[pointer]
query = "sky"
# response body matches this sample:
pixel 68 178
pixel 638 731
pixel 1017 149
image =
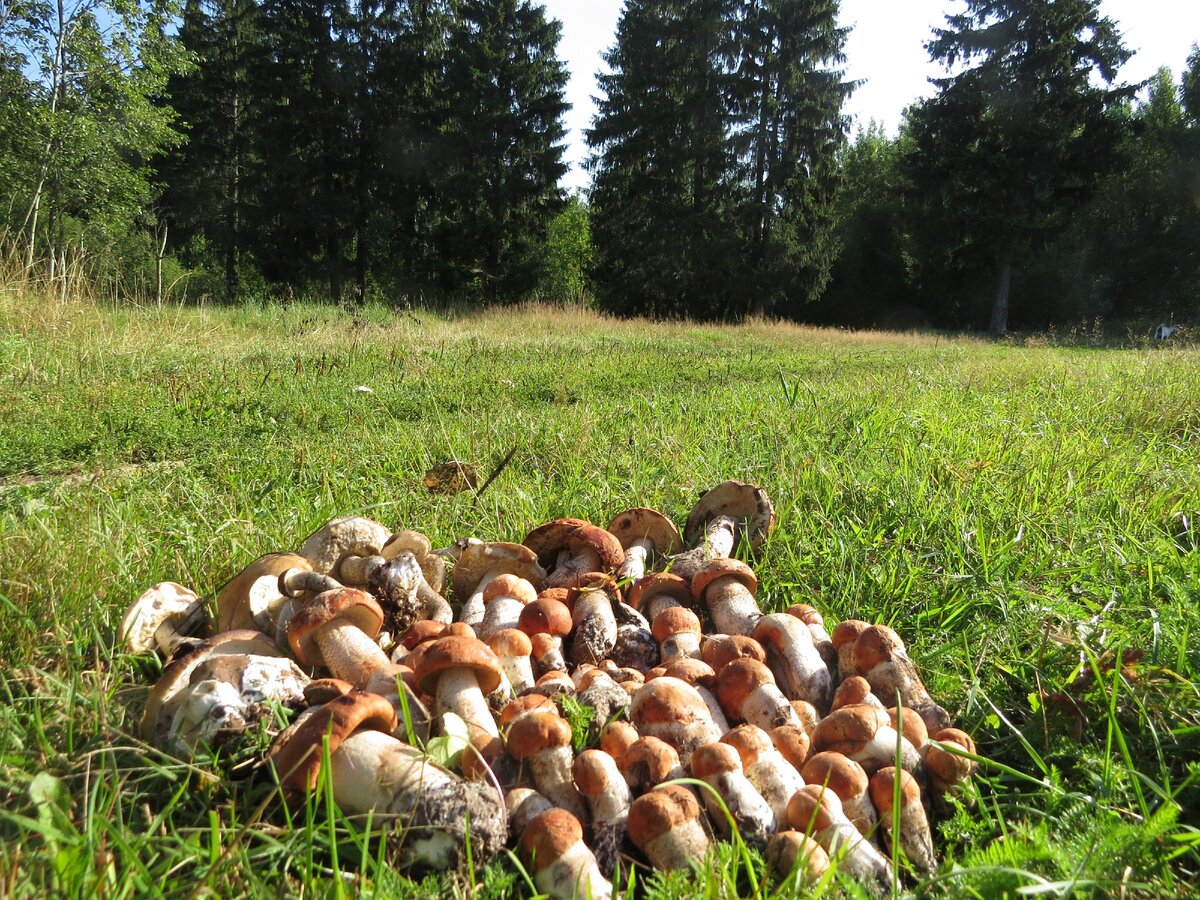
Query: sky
pixel 885 49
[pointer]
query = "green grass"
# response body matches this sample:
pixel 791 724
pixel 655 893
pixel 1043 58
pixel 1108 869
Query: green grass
pixel 1007 508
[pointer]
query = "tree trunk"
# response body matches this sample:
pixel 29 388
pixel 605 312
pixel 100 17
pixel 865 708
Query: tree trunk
pixel 999 323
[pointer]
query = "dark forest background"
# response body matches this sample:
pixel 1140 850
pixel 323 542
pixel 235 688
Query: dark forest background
pixel 410 153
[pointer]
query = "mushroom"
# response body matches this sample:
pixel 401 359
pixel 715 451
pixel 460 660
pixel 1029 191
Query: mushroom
pixel 252 598
pixel 817 811
pixel 849 781
pixel 718 650
pixel 949 771
pixel 747 692
pixel 677 631
pixel 373 774
pixel 513 647
pixel 865 734
pixel 647 763
pixel 345 536
pixel 162 618
pixel 460 671
pixel 671 709
pixel 821 638
pixel 169 692
pixel 657 591
pixel 635 646
pixel 793 851
pixel 479 563
pixel 915 838
pixel 543 739
pixel 726 587
pixel 643 532
pixel 616 737
pixel 730 510
pixel 699 675
pixel 853 691
pixel 665 824
pixel 608 798
pixel 793 743
pixel 799 670
pixel 598 690
pixel 768 771
pixel 400 585
pixel 880 657
pixel 577 551
pixel 504 598
pixel 719 766
pixel 844 636
pixel 595 625
pixel 433 571
pixel 228 693
pixel 563 866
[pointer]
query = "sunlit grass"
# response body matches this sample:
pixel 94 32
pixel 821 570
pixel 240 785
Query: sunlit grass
pixel 1008 509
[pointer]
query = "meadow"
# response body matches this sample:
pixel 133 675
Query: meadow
pixel 1023 513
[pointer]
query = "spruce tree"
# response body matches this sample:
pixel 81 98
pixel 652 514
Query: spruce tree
pixel 1010 145
pixel 502 147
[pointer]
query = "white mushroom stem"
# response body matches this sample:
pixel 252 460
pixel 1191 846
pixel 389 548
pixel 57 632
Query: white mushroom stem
pixel 718 766
pixel 458 692
pixel 373 771
pixel 524 804
pixel 500 613
pixel 636 556
pixel 767 708
pixel 776 779
pixel 551 770
pixel 595 627
pixel 799 669
pixel 473 610
pixel 572 564
pixel 608 797
pixel 719 538
pixel 733 608
pixel 680 645
pixel 349 654
pixel 518 671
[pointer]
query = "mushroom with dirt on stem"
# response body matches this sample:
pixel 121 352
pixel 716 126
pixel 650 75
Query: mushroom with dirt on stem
pixel 673 710
pixel 799 670
pixel 543 740
pixel 768 771
pixel 608 797
pixel 720 767
pixel 373 774
pixel 817 811
pixel 880 657
pixel 916 840
pixel 666 825
pixel 479 563
pixel 564 868
pixel 729 511
pixel 726 587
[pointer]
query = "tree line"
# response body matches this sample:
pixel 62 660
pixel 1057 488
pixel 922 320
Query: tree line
pixel 411 150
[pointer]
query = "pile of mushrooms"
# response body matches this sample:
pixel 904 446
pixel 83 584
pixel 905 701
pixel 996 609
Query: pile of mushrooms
pixel 819 747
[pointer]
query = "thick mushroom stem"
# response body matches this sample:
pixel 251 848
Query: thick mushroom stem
pixel 865 735
pixel 671 709
pixel 349 654
pixel 726 587
pixel 504 599
pixel 513 647
pixel 720 535
pixel 458 692
pixel 473 608
pixel 880 656
pixel 636 556
pixel 608 797
pixel 747 692
pixel 719 766
pixel 799 670
pixel 543 739
pixel 915 838
pixel 766 768
pixel 595 627
pixel 848 780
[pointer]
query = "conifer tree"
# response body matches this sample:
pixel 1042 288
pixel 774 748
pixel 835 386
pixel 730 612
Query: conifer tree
pixel 1017 139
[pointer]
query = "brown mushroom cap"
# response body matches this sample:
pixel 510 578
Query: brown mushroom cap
pixel 616 737
pixel 358 607
pixel 847 729
pixel 233 609
pixel 739 680
pixel 641 523
pixel 876 644
pixel 536 731
pixel 715 758
pixel 838 773
pixel 655 813
pixel 946 766
pixel 511 586
pixel 545 615
pixel 793 743
pixel 675 620
pixel 693 671
pixel 719 650
pixel 750 742
pixel 659 583
pixel 910 724
pixel 420 632
pixel 851 692
pixel 788 850
pixel 604 545
pixel 649 761
pixel 592 770
pixel 297 753
pixel 510 642
pixel 478 560
pixel 455 652
pixel 883 785
pixel 548 837
pixel 747 503
pixel 547 539
pixel 814 808
pixel 518 706
pixel 721 568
